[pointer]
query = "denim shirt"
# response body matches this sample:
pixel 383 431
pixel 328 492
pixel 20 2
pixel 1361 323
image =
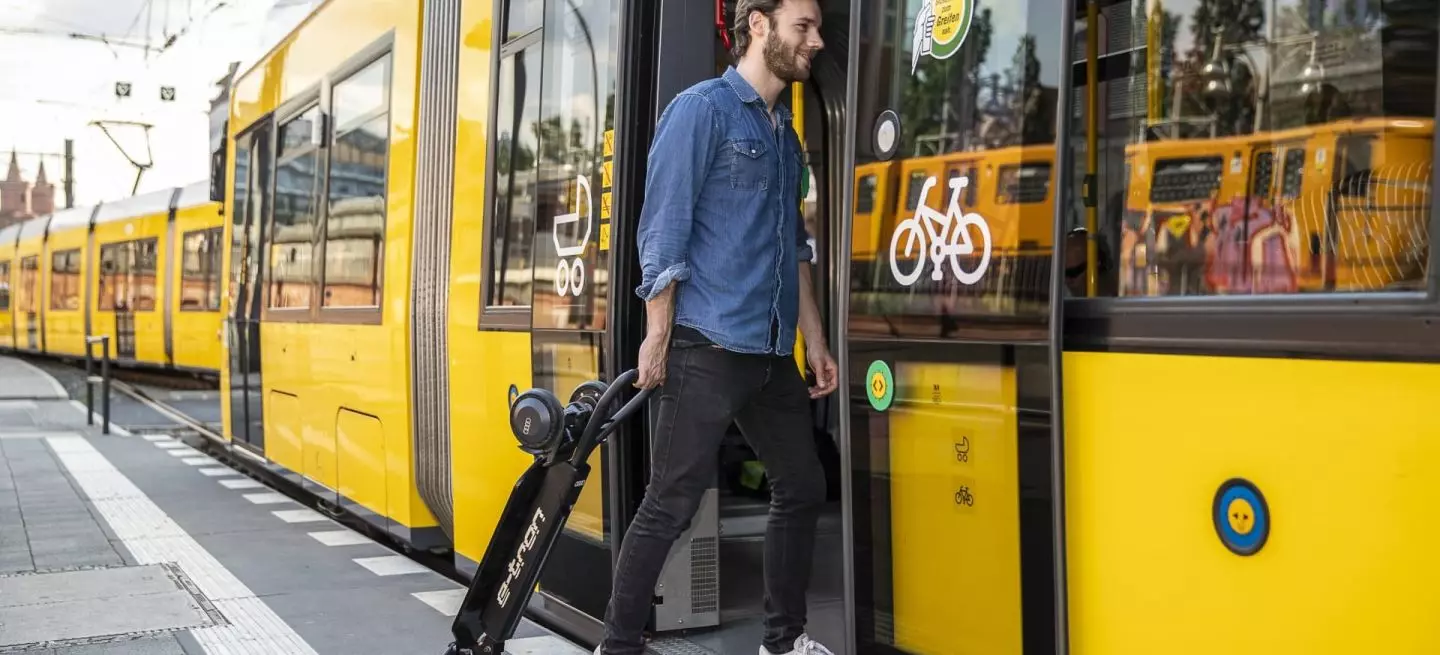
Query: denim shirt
pixel 721 217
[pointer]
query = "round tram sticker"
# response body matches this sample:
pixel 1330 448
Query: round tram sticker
pixel 879 385
pixel 940 29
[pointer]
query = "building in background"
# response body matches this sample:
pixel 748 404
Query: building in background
pixel 19 199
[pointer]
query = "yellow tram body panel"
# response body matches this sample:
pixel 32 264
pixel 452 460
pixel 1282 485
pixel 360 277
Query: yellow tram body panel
pixel 195 272
pixel 1340 452
pixel 485 461
pixel 130 258
pixel 64 270
pixel 9 273
pixel 31 294
pixel 336 388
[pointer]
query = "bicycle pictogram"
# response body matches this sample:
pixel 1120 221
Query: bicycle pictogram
pixel 570 273
pixel 941 236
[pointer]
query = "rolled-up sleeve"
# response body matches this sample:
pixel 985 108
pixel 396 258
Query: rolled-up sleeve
pixel 679 161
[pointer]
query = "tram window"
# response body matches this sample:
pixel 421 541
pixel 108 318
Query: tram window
pixel 1262 179
pixel 293 213
pixel 912 190
pixel 1294 173
pixel 4 286
pixel 29 266
pixel 127 276
pixel 1282 185
pixel 865 195
pixel 523 17
pixel 355 217
pixel 200 270
pixel 65 280
pixel 512 228
pixel 1023 184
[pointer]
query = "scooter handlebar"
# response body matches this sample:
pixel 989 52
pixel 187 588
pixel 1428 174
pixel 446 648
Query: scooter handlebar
pixel 600 426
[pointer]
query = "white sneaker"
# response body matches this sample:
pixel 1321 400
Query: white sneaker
pixel 804 645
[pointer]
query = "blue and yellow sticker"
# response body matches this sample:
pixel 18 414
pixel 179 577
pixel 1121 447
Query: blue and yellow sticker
pixel 1241 516
pixel 879 385
pixel 513 394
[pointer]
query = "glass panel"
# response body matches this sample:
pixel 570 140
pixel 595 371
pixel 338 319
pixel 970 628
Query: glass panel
pixel 355 225
pixel 361 94
pixel 65 280
pixel 513 231
pixel 1277 147
pixel 4 286
pixel 29 289
pixel 114 270
pixel 949 437
pixel 144 278
pixel 200 271
pixel 292 251
pixel 571 215
pixel 238 250
pixel 522 17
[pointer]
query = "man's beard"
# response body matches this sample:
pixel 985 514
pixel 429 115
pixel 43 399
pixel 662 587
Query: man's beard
pixel 781 61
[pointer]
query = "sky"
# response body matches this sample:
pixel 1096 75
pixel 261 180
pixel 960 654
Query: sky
pixel 52 87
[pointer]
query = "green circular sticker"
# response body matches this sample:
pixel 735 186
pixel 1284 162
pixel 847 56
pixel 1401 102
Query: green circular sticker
pixel 879 385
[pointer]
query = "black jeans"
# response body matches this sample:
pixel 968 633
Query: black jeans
pixel 705 389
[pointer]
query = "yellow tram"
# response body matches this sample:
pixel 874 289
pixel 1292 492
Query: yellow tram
pixel 144 270
pixel 430 207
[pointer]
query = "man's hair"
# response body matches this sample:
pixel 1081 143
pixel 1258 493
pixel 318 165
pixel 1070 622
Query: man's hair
pixel 742 22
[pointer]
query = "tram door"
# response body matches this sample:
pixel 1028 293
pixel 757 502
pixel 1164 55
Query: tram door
pixel 247 250
pixel 947 325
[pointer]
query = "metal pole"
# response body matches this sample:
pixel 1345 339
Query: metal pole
pixel 69 173
pixel 89 385
pixel 105 382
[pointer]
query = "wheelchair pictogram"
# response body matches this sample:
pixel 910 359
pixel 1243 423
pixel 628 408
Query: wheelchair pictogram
pixel 941 236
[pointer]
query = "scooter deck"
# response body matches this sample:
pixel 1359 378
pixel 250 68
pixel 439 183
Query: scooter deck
pixel 533 518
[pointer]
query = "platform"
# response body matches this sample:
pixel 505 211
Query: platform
pixel 138 543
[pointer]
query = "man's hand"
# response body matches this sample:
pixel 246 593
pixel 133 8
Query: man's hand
pixel 827 374
pixel 654 351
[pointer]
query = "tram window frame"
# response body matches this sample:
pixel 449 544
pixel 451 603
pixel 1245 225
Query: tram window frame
pixel 70 290
pixel 1388 325
pixel 494 316
pixel 289 112
pixel 379 53
pixel 209 258
pixel 5 285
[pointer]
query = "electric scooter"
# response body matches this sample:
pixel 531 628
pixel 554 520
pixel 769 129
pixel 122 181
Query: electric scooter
pixel 561 439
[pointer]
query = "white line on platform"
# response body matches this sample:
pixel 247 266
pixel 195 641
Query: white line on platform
pixel 184 451
pixel 202 460
pixel 157 437
pixel 167 445
pixel 218 471
pixel 391 565
pixel 241 483
pixel 299 515
pixel 267 498
pixel 445 601
pixel 100 420
pixel 340 538
pixel 153 537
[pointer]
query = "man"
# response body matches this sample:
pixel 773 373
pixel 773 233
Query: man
pixel 726 280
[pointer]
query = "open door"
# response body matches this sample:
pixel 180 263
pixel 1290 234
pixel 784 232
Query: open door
pixel 947 318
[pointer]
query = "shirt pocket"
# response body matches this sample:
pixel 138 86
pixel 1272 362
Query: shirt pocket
pixel 749 167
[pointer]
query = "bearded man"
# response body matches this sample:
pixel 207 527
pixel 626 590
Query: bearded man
pixel 726 278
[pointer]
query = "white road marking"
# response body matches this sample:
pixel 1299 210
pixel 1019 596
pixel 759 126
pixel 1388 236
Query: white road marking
pixel 445 601
pixel 241 483
pixel 157 437
pixel 267 498
pixel 340 538
pixel 153 537
pixel 391 565
pixel 202 460
pixel 299 515
pixel 219 471
pixel 167 445
pixel 184 451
